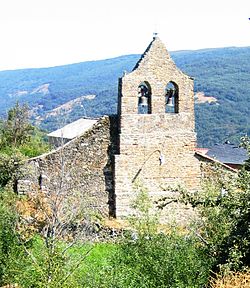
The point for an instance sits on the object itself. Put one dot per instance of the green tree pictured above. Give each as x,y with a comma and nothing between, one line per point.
16,130
224,226
11,168
18,140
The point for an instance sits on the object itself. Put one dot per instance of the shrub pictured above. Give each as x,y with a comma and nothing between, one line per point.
232,280
146,258
12,254
225,220
10,167
160,261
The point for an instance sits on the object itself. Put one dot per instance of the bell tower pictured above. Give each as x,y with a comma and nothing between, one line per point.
157,140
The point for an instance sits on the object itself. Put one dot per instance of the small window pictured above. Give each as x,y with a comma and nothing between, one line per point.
171,98
144,98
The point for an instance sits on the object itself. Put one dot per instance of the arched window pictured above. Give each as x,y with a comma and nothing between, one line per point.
144,98
172,98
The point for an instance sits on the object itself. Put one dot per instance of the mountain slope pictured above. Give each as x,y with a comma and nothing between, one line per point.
223,74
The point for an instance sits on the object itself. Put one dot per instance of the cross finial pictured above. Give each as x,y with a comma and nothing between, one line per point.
155,35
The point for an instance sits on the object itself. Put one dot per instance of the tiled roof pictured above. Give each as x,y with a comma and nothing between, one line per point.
204,156
228,153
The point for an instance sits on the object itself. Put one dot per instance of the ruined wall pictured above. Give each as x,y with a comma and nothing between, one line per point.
83,165
145,138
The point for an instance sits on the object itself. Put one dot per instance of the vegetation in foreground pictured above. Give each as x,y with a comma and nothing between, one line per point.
141,257
147,260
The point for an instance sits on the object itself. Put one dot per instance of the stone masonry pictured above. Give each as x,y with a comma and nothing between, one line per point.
82,167
147,139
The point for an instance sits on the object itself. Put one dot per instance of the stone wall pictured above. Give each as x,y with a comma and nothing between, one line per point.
212,169
83,165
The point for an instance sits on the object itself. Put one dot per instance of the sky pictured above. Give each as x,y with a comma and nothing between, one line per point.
45,33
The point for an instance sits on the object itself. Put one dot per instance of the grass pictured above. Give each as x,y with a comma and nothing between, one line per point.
91,261
95,255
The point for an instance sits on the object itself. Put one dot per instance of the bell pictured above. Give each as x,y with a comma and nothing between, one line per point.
170,101
143,101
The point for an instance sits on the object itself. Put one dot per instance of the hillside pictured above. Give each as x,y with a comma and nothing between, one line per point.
90,89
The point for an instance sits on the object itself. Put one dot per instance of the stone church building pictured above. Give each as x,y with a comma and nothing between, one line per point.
156,145
151,141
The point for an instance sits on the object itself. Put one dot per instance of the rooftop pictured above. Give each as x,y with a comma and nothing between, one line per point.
73,129
228,153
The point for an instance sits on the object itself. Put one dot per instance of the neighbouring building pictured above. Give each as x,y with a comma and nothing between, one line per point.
70,131
229,154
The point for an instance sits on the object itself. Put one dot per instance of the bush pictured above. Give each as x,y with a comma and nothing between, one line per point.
232,280
10,167
160,261
225,220
146,258
12,254
27,261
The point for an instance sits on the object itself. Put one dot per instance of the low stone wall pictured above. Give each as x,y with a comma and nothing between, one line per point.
83,166
215,171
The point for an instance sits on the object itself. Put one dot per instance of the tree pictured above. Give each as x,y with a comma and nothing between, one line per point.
224,225
18,140
16,130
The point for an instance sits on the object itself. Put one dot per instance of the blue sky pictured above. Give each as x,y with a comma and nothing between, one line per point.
43,33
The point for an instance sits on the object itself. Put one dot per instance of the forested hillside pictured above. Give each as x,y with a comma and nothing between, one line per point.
225,75
221,73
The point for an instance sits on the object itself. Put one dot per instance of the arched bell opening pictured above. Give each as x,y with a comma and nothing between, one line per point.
171,98
144,98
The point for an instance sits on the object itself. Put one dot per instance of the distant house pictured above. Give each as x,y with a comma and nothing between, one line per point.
227,153
70,131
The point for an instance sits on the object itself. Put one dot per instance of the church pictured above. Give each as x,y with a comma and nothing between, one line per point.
157,140
151,142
